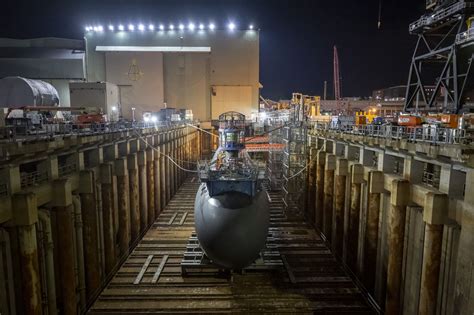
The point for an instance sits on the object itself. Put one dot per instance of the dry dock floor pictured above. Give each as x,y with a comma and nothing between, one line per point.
310,280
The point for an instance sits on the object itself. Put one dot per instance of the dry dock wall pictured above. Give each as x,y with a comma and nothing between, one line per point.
73,208
400,218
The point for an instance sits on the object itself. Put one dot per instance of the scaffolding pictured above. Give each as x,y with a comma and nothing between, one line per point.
295,159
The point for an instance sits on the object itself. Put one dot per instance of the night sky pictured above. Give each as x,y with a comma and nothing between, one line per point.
296,39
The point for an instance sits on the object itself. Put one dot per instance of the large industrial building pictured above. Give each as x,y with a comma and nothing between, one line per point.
140,175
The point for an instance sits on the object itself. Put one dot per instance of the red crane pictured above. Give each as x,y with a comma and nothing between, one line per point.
337,79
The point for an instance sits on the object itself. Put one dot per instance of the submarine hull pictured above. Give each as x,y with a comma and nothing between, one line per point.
231,227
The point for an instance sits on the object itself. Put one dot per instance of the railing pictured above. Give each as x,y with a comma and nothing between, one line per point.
439,15
66,169
33,178
57,130
430,134
465,36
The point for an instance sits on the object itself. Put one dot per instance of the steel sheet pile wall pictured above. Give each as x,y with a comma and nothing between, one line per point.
62,239
407,241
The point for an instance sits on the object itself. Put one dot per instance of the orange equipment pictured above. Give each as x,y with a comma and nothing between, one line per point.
91,119
409,121
449,120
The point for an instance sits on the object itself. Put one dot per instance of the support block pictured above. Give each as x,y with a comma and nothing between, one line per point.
25,209
132,162
86,182
330,162
357,174
106,173
342,167
141,158
400,192
121,167
376,182
62,193
435,210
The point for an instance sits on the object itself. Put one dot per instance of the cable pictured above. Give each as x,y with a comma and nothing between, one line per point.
169,157
379,24
307,164
200,129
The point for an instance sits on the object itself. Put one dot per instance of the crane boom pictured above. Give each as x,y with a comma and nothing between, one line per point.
337,78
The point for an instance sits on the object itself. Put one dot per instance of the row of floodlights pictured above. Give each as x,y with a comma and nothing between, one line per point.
151,27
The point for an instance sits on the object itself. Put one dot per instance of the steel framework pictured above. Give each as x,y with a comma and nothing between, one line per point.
440,71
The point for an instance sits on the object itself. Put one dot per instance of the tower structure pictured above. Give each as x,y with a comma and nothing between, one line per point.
441,69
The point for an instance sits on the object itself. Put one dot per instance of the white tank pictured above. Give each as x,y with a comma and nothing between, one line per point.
16,92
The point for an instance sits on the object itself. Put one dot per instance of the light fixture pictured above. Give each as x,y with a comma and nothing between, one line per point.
191,26
96,29
120,27
100,28
201,26
146,118
131,27
154,119
141,27
251,26
212,26
151,27
162,27
181,26
87,28
114,108
171,27
231,26
111,27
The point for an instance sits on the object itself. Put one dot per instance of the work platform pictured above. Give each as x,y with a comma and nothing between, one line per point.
308,279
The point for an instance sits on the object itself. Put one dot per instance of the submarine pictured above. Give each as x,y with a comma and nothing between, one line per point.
231,208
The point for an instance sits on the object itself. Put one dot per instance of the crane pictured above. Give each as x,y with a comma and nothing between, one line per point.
337,79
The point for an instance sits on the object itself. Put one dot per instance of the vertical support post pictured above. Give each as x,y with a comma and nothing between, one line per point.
328,195
123,206
156,176
62,205
311,192
168,168
90,235
435,214
107,213
320,190
376,187
339,205
134,197
150,176
163,175
400,193
25,217
142,188
357,177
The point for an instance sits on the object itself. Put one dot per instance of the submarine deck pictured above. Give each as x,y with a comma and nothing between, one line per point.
309,280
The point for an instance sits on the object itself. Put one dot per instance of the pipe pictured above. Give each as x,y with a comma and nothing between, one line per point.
45,220
79,249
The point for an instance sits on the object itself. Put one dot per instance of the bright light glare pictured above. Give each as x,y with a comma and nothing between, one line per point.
111,27
154,119
171,27
231,26
141,27
263,115
87,28
191,26
181,26
131,27
201,26
151,27
114,108
251,26
146,119
100,28
212,26
162,27
120,27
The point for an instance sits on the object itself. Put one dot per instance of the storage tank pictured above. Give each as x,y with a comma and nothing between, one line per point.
16,92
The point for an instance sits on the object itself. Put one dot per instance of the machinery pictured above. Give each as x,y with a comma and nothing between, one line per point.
231,209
